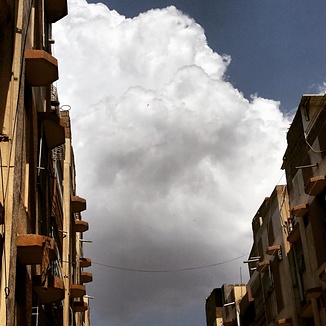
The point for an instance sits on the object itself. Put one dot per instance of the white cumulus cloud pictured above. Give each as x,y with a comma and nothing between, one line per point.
172,159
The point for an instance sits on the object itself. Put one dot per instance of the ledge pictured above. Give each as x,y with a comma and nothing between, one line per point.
315,185
41,68
31,248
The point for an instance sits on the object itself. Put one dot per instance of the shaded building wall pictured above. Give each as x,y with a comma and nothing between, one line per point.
232,295
214,307
270,296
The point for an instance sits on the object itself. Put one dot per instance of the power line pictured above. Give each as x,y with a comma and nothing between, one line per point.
169,270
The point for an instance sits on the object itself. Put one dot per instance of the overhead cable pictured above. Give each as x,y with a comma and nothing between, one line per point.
169,270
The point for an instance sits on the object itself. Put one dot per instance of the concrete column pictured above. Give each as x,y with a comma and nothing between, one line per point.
78,315
87,313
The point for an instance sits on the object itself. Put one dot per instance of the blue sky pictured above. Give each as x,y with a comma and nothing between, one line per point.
179,135
277,48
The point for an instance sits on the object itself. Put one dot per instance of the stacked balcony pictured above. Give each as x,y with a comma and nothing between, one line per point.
41,68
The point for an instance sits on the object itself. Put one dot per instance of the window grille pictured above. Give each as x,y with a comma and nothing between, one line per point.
58,153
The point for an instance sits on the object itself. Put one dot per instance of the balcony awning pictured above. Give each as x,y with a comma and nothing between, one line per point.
315,185
41,68
78,204
31,248
55,10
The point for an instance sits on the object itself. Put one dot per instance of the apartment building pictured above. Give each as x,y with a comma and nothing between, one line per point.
41,226
214,308
223,305
287,261
270,297
305,167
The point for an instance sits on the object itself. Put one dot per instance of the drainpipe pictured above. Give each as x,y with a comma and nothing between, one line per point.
315,312
66,266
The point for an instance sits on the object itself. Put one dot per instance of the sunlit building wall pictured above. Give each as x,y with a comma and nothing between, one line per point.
41,226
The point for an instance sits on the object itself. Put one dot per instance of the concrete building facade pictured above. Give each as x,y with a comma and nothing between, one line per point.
305,167
287,261
223,305
41,227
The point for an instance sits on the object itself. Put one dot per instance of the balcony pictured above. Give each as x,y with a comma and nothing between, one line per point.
55,9
262,267
322,275
315,185
230,322
41,68
85,262
78,204
53,130
32,248
77,290
300,210
86,277
273,250
313,293
80,306
81,226
306,311
52,293
284,322
294,235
